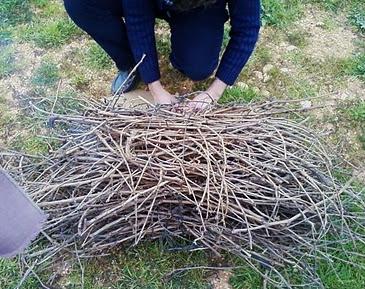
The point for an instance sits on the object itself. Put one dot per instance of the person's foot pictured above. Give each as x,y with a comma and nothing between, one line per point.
122,84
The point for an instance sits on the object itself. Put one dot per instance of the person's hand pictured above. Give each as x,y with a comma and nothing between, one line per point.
160,94
201,102
205,99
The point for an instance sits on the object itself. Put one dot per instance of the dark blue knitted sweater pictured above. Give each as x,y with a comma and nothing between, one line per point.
140,18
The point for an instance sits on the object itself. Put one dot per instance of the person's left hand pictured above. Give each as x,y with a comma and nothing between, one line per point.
206,99
201,102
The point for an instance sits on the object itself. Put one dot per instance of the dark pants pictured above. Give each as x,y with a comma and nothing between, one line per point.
196,36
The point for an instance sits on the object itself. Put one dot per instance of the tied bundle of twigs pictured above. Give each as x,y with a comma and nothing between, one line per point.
241,179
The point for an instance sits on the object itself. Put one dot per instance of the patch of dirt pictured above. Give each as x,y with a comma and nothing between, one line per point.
334,42
361,175
353,89
27,59
136,99
99,82
220,280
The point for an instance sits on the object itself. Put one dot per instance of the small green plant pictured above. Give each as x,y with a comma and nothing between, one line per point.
97,58
358,20
357,112
7,61
79,80
238,94
356,66
47,74
33,145
163,45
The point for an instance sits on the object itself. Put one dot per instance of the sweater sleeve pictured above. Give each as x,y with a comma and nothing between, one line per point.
245,26
140,23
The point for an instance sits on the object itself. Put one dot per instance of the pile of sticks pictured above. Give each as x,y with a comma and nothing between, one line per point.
242,179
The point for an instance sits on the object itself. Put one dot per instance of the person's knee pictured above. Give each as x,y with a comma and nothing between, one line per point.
195,68
74,9
199,73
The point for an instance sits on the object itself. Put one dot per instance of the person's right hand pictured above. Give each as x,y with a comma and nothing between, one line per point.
160,94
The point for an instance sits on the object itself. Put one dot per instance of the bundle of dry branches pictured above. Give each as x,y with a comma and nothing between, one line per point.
240,179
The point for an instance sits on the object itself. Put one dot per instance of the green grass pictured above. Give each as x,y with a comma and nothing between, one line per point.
27,128
6,120
30,144
336,5
354,9
51,33
47,74
148,267
333,5
298,38
5,37
7,61
352,116
352,66
356,66
163,45
78,80
244,278
261,57
156,261
281,13
238,94
10,276
14,11
97,58
341,275
163,42
331,70
329,23
301,89
49,9
226,37
357,112
145,267
357,18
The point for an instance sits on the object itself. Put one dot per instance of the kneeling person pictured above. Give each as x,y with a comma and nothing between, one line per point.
125,30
